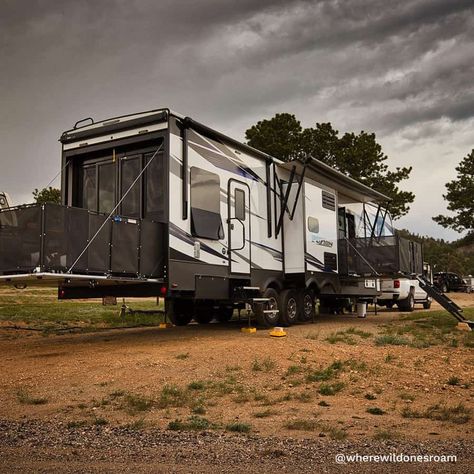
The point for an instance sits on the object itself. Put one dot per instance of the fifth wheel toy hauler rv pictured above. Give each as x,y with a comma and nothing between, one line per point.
157,204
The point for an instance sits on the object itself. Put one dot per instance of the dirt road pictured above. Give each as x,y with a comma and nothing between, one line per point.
342,383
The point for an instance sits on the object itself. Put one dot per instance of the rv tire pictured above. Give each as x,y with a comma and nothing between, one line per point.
183,312
307,312
204,313
289,307
224,314
268,319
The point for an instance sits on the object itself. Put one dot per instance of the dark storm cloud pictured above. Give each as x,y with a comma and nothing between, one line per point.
403,69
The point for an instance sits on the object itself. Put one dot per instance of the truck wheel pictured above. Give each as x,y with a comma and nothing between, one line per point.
268,319
204,313
427,304
224,313
289,307
444,288
389,305
306,301
407,304
183,312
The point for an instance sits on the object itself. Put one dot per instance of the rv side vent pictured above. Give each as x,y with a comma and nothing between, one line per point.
330,261
329,201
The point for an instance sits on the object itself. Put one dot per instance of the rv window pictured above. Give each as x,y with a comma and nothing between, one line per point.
205,204
155,198
239,198
106,187
89,189
130,169
313,225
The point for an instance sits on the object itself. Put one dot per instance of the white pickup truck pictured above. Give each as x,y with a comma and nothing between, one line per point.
403,292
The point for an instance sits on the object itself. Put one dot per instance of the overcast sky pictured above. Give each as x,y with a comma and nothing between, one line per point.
404,70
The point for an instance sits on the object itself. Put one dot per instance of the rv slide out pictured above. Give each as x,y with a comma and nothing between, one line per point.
157,204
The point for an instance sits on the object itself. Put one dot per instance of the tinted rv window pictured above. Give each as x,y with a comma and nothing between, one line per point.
239,204
106,187
154,182
205,204
130,169
313,225
89,189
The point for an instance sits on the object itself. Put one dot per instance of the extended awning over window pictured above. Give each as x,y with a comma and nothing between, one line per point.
349,190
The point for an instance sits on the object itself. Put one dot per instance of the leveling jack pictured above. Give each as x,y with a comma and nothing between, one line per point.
249,329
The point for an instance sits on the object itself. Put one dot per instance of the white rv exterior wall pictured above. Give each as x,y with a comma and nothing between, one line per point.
326,239
266,253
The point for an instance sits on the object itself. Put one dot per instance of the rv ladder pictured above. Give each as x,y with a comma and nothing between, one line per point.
447,303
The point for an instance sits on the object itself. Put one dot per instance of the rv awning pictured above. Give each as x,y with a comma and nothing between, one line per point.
349,190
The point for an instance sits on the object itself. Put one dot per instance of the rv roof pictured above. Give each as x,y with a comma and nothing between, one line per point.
349,190
102,127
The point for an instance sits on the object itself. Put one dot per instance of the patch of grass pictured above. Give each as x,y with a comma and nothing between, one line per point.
453,380
197,385
198,409
389,358
313,336
391,340
193,423
385,435
40,309
238,427
136,425
134,403
457,414
375,411
370,396
407,396
100,421
302,425
233,368
334,433
328,373
263,365
183,356
172,396
468,340
358,332
341,336
330,388
25,398
242,397
264,413
323,403
303,397
294,369
116,394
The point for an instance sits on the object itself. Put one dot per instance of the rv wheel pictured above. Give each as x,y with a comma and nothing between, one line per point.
268,319
307,312
182,313
289,307
224,313
204,313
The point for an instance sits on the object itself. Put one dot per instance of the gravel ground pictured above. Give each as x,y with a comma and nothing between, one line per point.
35,446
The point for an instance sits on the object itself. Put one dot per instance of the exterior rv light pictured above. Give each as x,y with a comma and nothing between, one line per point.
163,290
396,283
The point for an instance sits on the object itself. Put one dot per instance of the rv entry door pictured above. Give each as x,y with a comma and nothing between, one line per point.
238,201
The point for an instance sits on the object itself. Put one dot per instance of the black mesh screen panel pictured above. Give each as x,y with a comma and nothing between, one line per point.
125,243
152,252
